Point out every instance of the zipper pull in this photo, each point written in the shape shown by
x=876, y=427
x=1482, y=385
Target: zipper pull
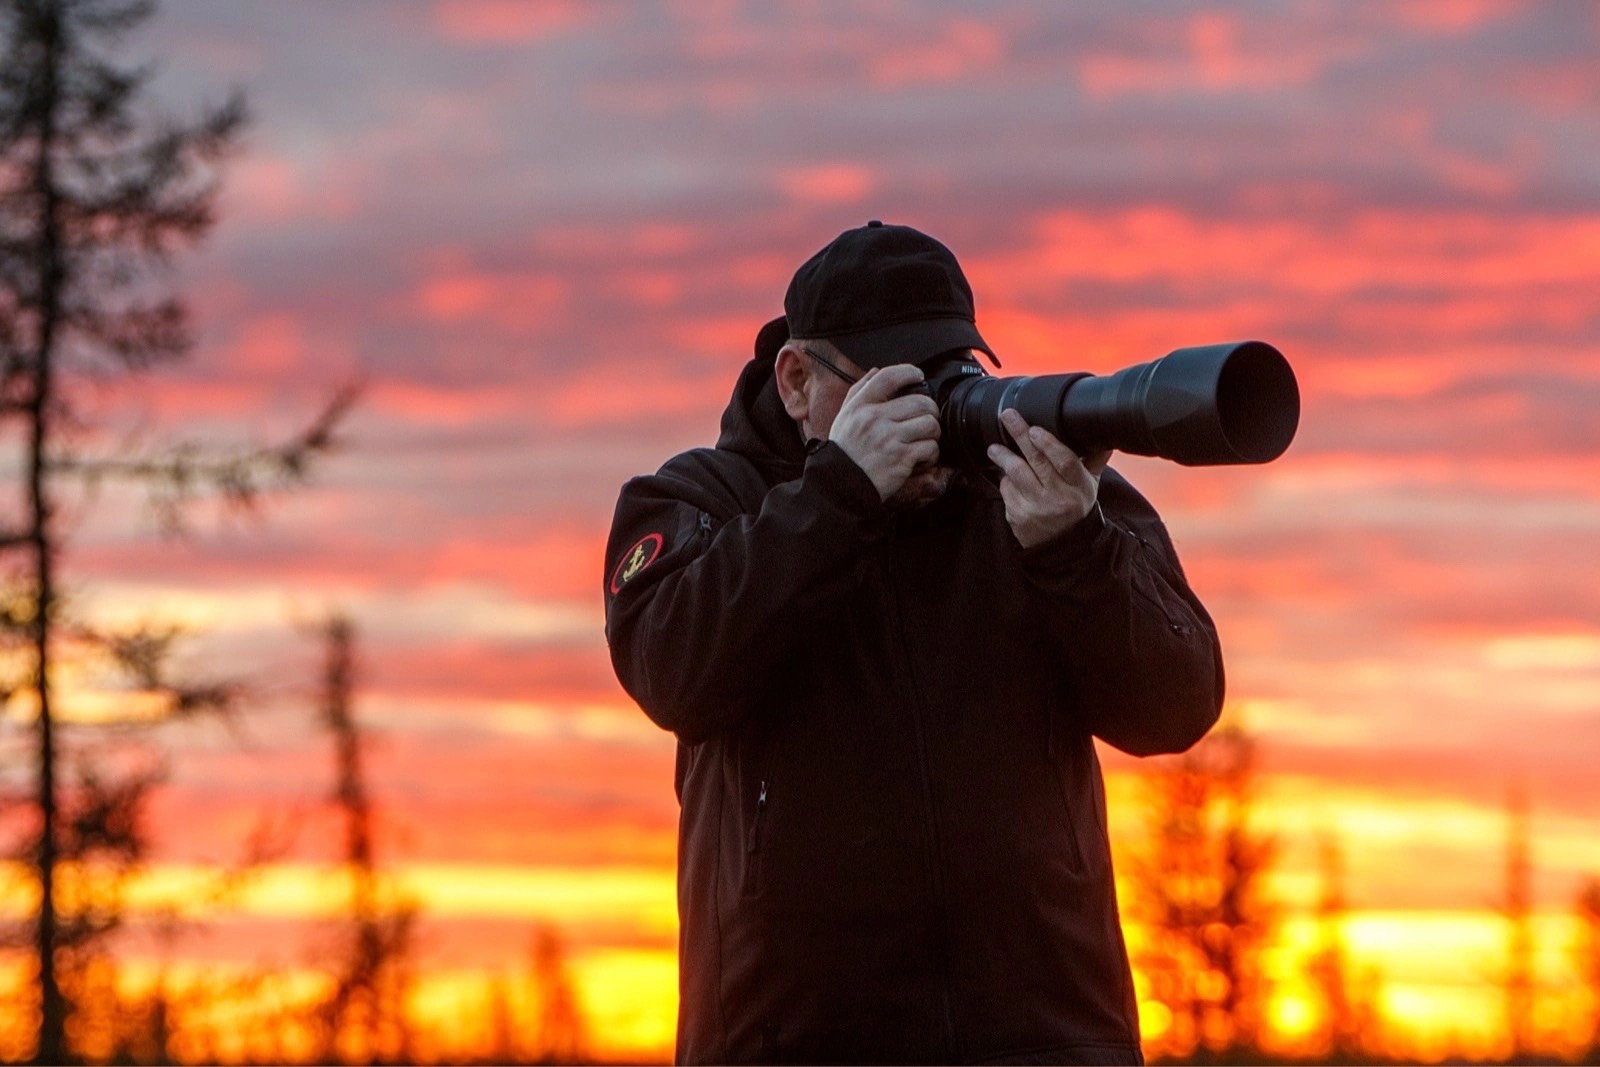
x=755, y=824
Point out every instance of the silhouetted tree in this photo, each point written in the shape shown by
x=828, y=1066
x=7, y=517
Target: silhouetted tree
x=1587, y=957
x=1199, y=890
x=1330, y=967
x=365, y=1017
x=561, y=1035
x=537, y=1019
x=505, y=1035
x=95, y=197
x=1349, y=1001
x=1517, y=909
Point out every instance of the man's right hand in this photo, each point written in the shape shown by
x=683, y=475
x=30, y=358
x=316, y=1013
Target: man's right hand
x=888, y=435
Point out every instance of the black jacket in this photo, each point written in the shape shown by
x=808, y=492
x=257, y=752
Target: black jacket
x=893, y=837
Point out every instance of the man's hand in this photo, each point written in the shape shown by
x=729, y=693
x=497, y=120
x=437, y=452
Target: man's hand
x=888, y=436
x=1048, y=488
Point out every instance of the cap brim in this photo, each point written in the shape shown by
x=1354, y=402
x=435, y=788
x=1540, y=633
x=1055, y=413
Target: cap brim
x=910, y=342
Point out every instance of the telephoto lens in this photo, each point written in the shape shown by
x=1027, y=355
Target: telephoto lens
x=1209, y=405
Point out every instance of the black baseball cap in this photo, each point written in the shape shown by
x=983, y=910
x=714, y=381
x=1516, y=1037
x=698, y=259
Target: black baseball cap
x=883, y=295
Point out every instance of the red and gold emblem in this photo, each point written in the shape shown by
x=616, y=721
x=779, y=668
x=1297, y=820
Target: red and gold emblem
x=637, y=559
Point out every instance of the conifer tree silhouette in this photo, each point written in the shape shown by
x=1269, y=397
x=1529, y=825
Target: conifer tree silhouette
x=1199, y=890
x=365, y=1017
x=1517, y=908
x=1587, y=958
x=561, y=1036
x=96, y=196
x=1353, y=1024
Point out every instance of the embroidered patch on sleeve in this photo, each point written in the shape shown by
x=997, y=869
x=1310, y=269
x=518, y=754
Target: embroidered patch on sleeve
x=635, y=560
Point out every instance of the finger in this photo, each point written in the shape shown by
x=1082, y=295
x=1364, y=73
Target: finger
x=1014, y=467
x=861, y=384
x=1096, y=464
x=882, y=383
x=1013, y=422
x=1060, y=455
x=913, y=406
x=1028, y=445
x=921, y=428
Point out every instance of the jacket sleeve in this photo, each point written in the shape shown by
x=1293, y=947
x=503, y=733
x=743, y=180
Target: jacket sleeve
x=703, y=601
x=1142, y=653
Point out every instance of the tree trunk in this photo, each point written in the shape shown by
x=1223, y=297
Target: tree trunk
x=51, y=1047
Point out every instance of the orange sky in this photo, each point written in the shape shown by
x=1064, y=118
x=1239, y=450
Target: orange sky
x=545, y=235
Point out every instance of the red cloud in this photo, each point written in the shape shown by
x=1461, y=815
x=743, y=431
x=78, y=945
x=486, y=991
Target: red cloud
x=564, y=800
x=485, y=670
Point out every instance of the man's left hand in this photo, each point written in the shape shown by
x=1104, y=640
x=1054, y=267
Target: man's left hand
x=1048, y=488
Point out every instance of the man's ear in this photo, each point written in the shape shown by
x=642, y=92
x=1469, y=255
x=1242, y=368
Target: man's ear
x=792, y=373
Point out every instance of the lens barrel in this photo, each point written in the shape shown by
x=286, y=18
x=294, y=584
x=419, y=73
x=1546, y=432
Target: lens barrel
x=1208, y=405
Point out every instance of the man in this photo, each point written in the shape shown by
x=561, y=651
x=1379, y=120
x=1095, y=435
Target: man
x=885, y=676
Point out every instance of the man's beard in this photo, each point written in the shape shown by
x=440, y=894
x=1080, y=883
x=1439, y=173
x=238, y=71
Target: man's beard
x=922, y=488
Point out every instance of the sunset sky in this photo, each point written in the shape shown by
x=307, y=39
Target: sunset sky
x=544, y=234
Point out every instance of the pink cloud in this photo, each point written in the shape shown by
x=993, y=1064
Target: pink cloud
x=655, y=289
x=484, y=671
x=514, y=301
x=270, y=344
x=268, y=189
x=1214, y=51
x=541, y=561
x=647, y=241
x=963, y=47
x=425, y=405
x=507, y=21
x=1289, y=274
x=828, y=183
x=631, y=391
x=1453, y=17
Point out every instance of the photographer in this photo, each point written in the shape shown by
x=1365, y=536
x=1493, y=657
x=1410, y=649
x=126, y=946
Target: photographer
x=885, y=675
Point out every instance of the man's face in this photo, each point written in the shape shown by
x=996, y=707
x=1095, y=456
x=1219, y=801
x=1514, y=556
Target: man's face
x=827, y=392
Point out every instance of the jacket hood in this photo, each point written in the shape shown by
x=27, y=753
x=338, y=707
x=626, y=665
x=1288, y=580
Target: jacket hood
x=756, y=426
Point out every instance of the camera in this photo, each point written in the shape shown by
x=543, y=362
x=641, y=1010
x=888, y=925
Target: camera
x=1208, y=405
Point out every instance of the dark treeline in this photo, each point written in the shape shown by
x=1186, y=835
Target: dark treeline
x=1198, y=892
x=360, y=1007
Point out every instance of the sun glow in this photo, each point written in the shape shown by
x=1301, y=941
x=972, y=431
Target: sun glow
x=1430, y=977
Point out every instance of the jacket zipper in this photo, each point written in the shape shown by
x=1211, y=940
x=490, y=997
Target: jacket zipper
x=930, y=813
x=755, y=824
x=753, y=843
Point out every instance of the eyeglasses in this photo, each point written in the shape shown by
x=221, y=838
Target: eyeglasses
x=846, y=376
